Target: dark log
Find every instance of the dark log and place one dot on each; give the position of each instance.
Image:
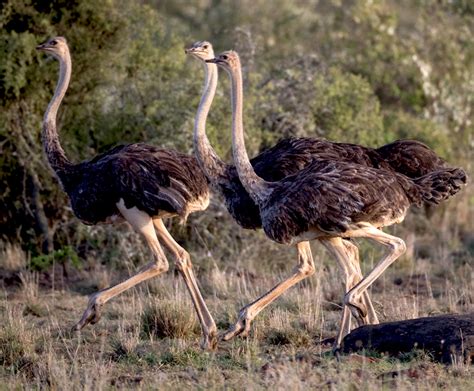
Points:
(446, 338)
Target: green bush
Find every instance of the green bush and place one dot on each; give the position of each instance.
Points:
(345, 108)
(45, 261)
(365, 72)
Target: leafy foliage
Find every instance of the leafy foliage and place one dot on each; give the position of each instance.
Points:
(44, 261)
(359, 71)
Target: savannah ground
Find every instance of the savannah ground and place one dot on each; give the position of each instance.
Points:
(149, 336)
(366, 72)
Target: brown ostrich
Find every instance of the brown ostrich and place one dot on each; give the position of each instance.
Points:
(139, 183)
(329, 200)
(408, 157)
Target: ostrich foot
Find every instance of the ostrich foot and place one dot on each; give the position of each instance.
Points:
(91, 315)
(357, 307)
(241, 327)
(209, 342)
(362, 320)
(371, 317)
(336, 351)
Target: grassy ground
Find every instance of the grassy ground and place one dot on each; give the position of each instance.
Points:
(149, 337)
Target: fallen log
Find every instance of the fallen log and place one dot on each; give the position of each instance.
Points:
(447, 338)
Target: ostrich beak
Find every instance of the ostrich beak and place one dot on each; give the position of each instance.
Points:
(192, 50)
(41, 47)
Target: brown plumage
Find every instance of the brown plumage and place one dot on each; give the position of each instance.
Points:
(291, 155)
(411, 158)
(155, 180)
(137, 182)
(332, 197)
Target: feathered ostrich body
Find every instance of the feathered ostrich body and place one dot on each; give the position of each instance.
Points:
(330, 197)
(160, 182)
(291, 155)
(330, 200)
(137, 182)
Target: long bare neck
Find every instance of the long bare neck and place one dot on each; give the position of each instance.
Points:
(213, 166)
(257, 188)
(49, 136)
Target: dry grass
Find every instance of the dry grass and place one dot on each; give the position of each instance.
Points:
(149, 337)
(12, 257)
(169, 318)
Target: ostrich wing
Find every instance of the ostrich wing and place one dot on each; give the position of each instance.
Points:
(411, 158)
(155, 179)
(331, 196)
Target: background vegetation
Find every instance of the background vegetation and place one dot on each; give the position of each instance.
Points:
(359, 71)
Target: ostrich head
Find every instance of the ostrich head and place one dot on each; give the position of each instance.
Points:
(229, 60)
(56, 46)
(201, 49)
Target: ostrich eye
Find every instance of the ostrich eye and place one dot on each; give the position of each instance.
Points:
(53, 42)
(205, 47)
(225, 57)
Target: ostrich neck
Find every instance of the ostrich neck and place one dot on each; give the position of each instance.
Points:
(212, 165)
(257, 188)
(50, 138)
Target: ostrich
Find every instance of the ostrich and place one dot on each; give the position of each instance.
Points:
(288, 156)
(328, 200)
(285, 158)
(139, 183)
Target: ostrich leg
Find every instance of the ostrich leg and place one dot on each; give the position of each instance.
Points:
(353, 251)
(342, 251)
(336, 248)
(184, 265)
(396, 247)
(304, 269)
(143, 224)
